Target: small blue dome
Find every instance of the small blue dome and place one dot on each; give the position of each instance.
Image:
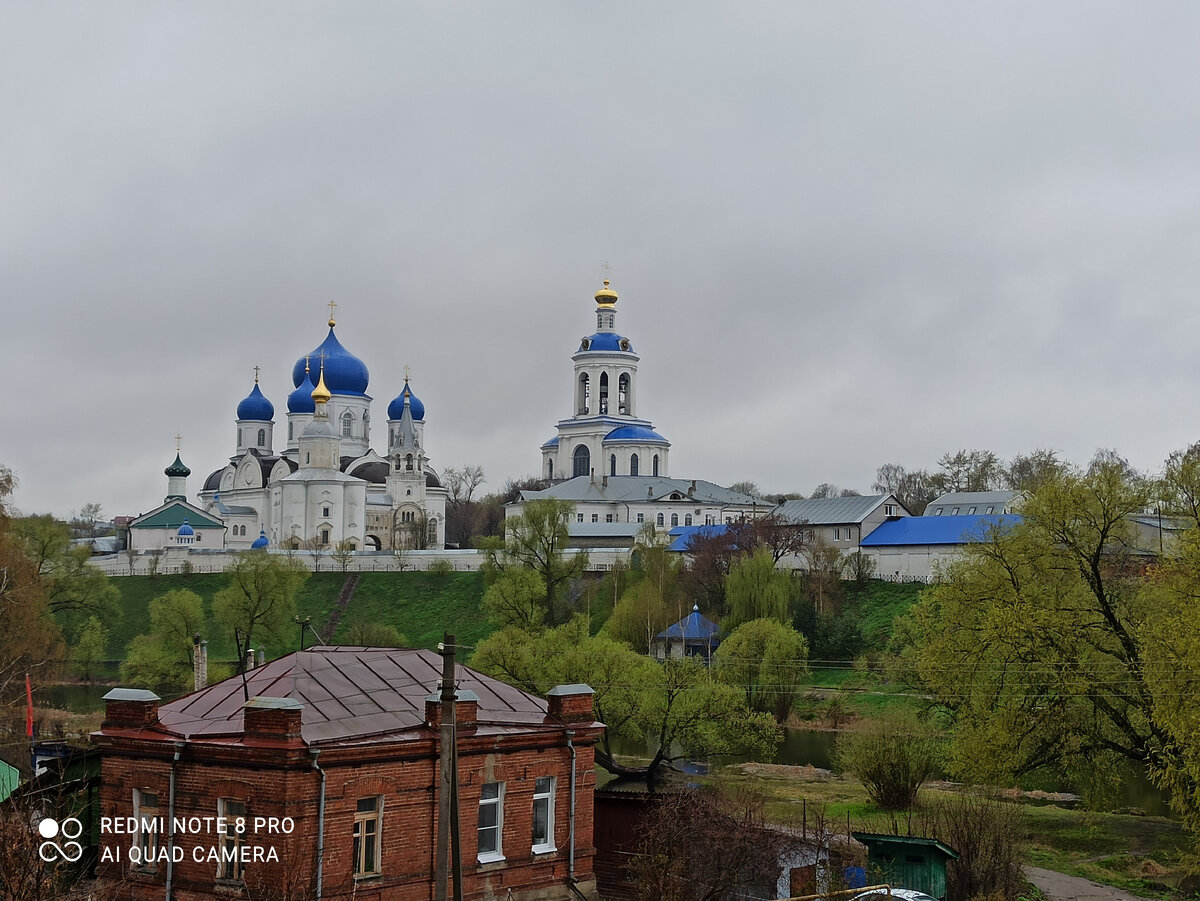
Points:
(185, 530)
(261, 540)
(606, 341)
(635, 434)
(256, 407)
(344, 372)
(300, 400)
(396, 407)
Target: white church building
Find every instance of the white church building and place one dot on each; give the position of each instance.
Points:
(610, 463)
(324, 486)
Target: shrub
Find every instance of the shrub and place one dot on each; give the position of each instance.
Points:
(891, 757)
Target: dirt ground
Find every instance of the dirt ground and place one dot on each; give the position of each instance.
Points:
(1061, 887)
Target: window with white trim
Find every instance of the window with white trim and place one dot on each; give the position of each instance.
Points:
(595, 517)
(230, 868)
(145, 812)
(491, 821)
(367, 819)
(543, 815)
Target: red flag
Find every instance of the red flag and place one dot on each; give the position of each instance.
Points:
(28, 707)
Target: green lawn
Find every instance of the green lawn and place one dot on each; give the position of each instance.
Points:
(878, 603)
(421, 606)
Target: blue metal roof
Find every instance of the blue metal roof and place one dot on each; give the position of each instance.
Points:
(920, 530)
(682, 536)
(256, 407)
(693, 627)
(635, 434)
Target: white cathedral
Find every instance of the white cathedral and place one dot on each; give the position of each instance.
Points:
(326, 487)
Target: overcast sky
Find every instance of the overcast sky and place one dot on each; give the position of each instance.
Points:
(843, 234)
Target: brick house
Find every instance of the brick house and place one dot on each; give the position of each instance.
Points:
(330, 758)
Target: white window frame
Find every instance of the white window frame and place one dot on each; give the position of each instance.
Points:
(231, 870)
(544, 797)
(496, 854)
(146, 839)
(361, 819)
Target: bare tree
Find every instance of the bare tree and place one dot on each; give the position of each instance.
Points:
(343, 554)
(462, 511)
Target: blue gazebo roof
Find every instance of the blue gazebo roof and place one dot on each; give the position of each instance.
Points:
(693, 627)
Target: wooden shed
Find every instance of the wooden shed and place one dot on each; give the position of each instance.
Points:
(906, 861)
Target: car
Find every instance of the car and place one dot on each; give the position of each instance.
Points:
(903, 894)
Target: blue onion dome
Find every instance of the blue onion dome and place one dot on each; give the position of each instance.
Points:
(186, 530)
(396, 407)
(261, 540)
(256, 406)
(177, 468)
(609, 341)
(344, 372)
(301, 400)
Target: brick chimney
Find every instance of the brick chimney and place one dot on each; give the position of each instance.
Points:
(466, 709)
(276, 719)
(571, 703)
(199, 663)
(130, 708)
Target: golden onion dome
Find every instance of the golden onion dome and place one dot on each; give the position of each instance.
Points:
(606, 296)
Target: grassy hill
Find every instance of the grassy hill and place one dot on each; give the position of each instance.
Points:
(419, 605)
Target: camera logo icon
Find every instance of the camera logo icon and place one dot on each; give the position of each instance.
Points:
(69, 829)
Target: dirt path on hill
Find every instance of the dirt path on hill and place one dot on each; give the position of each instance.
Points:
(1061, 887)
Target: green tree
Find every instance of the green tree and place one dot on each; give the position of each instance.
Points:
(90, 648)
(537, 540)
(516, 598)
(1179, 489)
(768, 661)
(365, 634)
(259, 603)
(756, 589)
(1032, 639)
(29, 637)
(675, 710)
(74, 588)
(656, 598)
(162, 657)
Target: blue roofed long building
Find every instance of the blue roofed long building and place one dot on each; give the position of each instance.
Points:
(915, 548)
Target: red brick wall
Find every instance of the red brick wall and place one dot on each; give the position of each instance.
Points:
(281, 783)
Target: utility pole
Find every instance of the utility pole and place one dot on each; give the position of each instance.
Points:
(448, 827)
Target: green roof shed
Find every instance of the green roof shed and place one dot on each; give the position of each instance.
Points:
(905, 861)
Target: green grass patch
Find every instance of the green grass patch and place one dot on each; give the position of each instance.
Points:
(421, 606)
(878, 603)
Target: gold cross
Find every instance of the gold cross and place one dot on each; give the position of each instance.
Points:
(332, 307)
(178, 439)
(306, 356)
(407, 371)
(256, 370)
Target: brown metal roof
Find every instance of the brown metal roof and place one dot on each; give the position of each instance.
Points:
(347, 693)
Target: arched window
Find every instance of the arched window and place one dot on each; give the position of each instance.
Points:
(687, 520)
(347, 422)
(656, 464)
(239, 437)
(582, 459)
(623, 393)
(633, 464)
(290, 424)
(603, 393)
(432, 531)
(408, 462)
(674, 520)
(583, 394)
(612, 464)
(660, 519)
(549, 469)
(262, 437)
